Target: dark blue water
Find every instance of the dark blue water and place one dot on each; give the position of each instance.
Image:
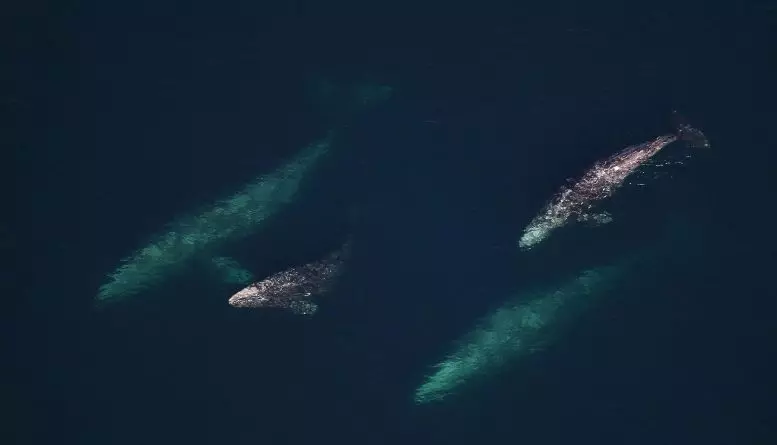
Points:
(127, 116)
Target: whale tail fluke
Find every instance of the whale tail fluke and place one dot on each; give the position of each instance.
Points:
(685, 132)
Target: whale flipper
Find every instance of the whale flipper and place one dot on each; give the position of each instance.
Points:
(230, 270)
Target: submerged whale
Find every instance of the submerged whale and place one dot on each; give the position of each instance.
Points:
(532, 320)
(204, 236)
(518, 328)
(527, 322)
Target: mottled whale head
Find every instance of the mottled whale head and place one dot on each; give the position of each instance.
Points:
(271, 294)
(294, 288)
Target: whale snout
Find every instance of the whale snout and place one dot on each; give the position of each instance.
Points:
(248, 297)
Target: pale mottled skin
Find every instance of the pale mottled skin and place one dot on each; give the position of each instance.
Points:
(596, 184)
(294, 288)
(601, 181)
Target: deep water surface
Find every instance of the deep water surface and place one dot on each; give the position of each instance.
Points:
(128, 116)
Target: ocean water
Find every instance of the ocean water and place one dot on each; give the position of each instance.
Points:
(139, 113)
